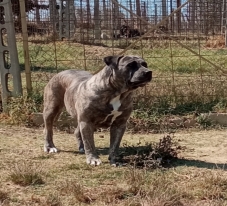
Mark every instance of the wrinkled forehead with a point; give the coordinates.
(128, 59)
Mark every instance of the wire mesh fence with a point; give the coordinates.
(186, 52)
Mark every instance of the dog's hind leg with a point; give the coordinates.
(50, 114)
(79, 140)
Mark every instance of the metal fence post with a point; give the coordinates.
(9, 63)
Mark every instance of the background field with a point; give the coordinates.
(183, 84)
(188, 61)
(198, 177)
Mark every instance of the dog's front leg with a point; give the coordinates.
(116, 134)
(87, 133)
(79, 139)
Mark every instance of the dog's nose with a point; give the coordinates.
(148, 75)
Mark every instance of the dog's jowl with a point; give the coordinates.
(96, 101)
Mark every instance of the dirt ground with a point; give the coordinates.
(203, 150)
(209, 146)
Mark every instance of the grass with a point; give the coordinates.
(198, 177)
(152, 105)
(161, 55)
(182, 84)
(3, 196)
(26, 174)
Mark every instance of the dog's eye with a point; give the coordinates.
(133, 65)
(144, 64)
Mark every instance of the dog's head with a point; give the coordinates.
(132, 70)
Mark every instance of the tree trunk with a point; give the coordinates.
(97, 20)
(138, 12)
(106, 17)
(114, 15)
(88, 13)
(54, 16)
(37, 14)
(163, 9)
(70, 18)
(178, 17)
(131, 16)
(171, 18)
(192, 16)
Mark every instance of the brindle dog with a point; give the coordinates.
(96, 101)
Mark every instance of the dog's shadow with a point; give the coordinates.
(198, 163)
(176, 162)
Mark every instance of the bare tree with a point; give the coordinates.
(54, 16)
(138, 12)
(144, 14)
(114, 16)
(37, 14)
(70, 18)
(97, 20)
(171, 18)
(105, 13)
(88, 12)
(178, 16)
(192, 8)
(131, 16)
(164, 9)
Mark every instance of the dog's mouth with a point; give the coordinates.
(137, 84)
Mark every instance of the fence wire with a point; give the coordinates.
(79, 33)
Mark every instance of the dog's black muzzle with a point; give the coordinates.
(144, 78)
(147, 75)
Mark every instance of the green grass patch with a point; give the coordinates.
(183, 84)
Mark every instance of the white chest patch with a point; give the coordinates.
(115, 102)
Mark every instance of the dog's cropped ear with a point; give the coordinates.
(112, 60)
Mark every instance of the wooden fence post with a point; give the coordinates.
(25, 46)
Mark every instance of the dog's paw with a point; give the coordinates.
(81, 150)
(50, 149)
(53, 150)
(94, 161)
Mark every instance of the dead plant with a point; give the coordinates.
(26, 173)
(152, 155)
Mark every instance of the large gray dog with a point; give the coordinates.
(97, 101)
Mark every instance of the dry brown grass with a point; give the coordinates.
(26, 173)
(216, 42)
(3, 196)
(197, 178)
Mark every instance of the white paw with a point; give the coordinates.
(94, 161)
(116, 164)
(50, 149)
(53, 150)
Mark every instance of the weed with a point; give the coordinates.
(113, 195)
(3, 196)
(136, 181)
(152, 155)
(21, 108)
(74, 167)
(75, 189)
(204, 121)
(221, 106)
(52, 200)
(26, 173)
